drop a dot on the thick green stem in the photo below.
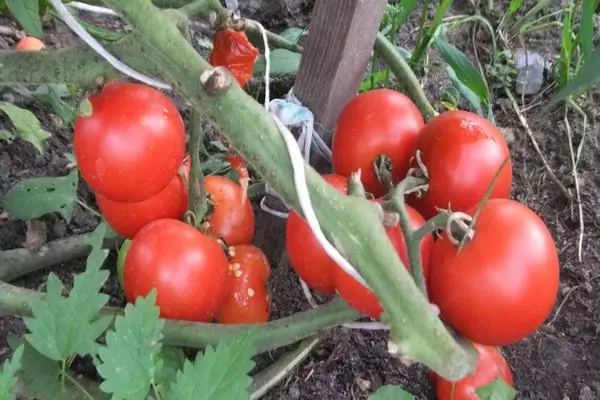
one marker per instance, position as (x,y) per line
(202,8)
(405,75)
(198,204)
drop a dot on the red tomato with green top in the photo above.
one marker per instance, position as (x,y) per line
(462,152)
(187,268)
(131,146)
(380,121)
(503,284)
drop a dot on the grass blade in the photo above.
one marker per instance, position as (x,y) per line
(566,49)
(588,76)
(512,8)
(586,31)
(424,43)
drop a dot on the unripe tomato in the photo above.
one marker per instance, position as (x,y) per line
(131,146)
(462,152)
(380,121)
(30,43)
(491,365)
(503,284)
(247,300)
(187,268)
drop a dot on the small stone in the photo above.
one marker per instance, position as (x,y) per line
(530,72)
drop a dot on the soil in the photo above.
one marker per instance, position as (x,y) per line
(560,361)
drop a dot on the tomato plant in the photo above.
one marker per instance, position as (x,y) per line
(232,49)
(30,43)
(491,365)
(503,284)
(187,268)
(131,146)
(247,300)
(462,152)
(380,121)
(232,216)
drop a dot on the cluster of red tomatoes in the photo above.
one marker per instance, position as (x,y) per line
(131,153)
(503,284)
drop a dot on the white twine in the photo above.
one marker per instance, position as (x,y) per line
(92,8)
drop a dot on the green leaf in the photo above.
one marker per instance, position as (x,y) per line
(27,13)
(218,374)
(372,80)
(39,374)
(391,392)
(586,78)
(563,72)
(8,378)
(587,27)
(293,34)
(35,197)
(497,390)
(283,62)
(52,98)
(27,125)
(85,108)
(172,361)
(6,136)
(514,6)
(130,357)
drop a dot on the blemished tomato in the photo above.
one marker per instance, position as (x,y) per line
(131,146)
(128,218)
(121,260)
(462,152)
(491,365)
(247,300)
(30,43)
(307,256)
(232,216)
(380,121)
(362,299)
(187,268)
(503,284)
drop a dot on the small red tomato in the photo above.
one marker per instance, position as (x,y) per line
(232,216)
(30,43)
(503,284)
(232,49)
(380,121)
(131,146)
(247,300)
(491,365)
(462,152)
(361,298)
(307,256)
(128,218)
(187,268)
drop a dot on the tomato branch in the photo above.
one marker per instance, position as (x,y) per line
(197,194)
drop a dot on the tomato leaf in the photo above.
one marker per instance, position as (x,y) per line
(218,374)
(130,357)
(65,326)
(27,13)
(172,361)
(391,392)
(497,390)
(8,378)
(52,98)
(27,125)
(283,62)
(35,197)
(293,34)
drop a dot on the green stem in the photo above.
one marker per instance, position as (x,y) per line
(155,389)
(393,34)
(407,78)
(432,225)
(198,204)
(63,374)
(79,386)
(202,8)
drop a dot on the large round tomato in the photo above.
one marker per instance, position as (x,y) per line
(131,146)
(361,298)
(491,365)
(187,268)
(462,152)
(128,218)
(247,300)
(380,121)
(307,256)
(232,216)
(502,285)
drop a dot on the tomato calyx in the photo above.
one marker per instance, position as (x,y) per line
(383,171)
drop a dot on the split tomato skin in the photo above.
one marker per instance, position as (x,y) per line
(380,121)
(247,300)
(187,268)
(462,152)
(503,284)
(131,146)
(491,365)
(308,258)
(232,217)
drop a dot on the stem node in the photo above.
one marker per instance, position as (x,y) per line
(216,80)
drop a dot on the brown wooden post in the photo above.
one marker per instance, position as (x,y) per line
(340,38)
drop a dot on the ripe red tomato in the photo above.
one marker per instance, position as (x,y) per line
(307,256)
(187,268)
(247,300)
(361,298)
(131,146)
(128,218)
(462,152)
(232,216)
(491,365)
(380,121)
(232,49)
(503,284)
(121,261)
(30,43)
